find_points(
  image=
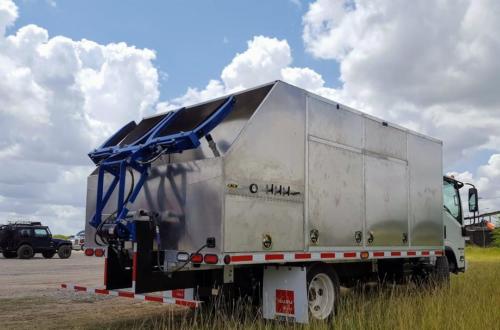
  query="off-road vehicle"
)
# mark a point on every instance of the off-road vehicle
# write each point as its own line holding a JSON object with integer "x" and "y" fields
{"x": 24, "y": 239}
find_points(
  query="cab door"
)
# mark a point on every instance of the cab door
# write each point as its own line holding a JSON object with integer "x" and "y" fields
{"x": 41, "y": 239}
{"x": 452, "y": 220}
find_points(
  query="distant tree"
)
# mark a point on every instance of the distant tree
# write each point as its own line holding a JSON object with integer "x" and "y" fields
{"x": 60, "y": 236}
{"x": 496, "y": 237}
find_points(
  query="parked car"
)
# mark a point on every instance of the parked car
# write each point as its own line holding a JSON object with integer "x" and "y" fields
{"x": 24, "y": 239}
{"x": 78, "y": 241}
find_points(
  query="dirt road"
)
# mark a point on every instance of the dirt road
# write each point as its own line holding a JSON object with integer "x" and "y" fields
{"x": 30, "y": 295}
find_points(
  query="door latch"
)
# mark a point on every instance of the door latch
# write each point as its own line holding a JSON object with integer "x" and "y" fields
{"x": 405, "y": 238}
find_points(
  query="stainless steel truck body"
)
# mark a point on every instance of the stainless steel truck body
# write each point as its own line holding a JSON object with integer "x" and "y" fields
{"x": 293, "y": 178}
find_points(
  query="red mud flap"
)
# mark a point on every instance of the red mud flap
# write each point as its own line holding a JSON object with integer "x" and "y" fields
{"x": 130, "y": 294}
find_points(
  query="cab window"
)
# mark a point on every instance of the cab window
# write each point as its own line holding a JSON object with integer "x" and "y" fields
{"x": 451, "y": 200}
{"x": 41, "y": 233}
{"x": 25, "y": 232}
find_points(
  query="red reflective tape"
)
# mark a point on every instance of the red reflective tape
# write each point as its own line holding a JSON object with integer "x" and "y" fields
{"x": 411, "y": 253}
{"x": 179, "y": 293}
{"x": 395, "y": 253}
{"x": 438, "y": 253}
{"x": 242, "y": 258}
{"x": 153, "y": 298}
{"x": 64, "y": 286}
{"x": 191, "y": 304}
{"x": 327, "y": 255}
{"x": 425, "y": 253}
{"x": 126, "y": 294}
{"x": 302, "y": 256}
{"x": 279, "y": 256}
{"x": 101, "y": 291}
{"x": 134, "y": 266}
{"x": 79, "y": 288}
{"x": 349, "y": 254}
{"x": 378, "y": 254}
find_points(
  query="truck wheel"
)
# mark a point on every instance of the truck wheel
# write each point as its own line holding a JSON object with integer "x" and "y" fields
{"x": 323, "y": 291}
{"x": 48, "y": 254}
{"x": 9, "y": 254}
{"x": 441, "y": 272}
{"x": 25, "y": 252}
{"x": 64, "y": 251}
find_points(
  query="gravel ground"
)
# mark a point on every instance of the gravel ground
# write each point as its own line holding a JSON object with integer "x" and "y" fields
{"x": 31, "y": 297}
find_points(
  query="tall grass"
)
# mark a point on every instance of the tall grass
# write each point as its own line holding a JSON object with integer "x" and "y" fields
{"x": 471, "y": 302}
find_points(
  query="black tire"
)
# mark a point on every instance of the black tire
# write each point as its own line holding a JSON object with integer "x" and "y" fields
{"x": 322, "y": 272}
{"x": 25, "y": 252}
{"x": 48, "y": 254}
{"x": 441, "y": 272}
{"x": 64, "y": 251}
{"x": 9, "y": 254}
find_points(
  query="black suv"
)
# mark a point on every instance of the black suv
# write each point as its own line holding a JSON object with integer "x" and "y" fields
{"x": 24, "y": 239}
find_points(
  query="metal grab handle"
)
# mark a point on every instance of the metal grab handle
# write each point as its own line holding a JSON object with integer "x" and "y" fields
{"x": 358, "y": 236}
{"x": 370, "y": 238}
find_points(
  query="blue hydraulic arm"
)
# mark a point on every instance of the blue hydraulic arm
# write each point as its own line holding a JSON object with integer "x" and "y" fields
{"x": 116, "y": 159}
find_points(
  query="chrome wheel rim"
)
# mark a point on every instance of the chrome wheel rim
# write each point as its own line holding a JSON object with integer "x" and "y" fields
{"x": 321, "y": 296}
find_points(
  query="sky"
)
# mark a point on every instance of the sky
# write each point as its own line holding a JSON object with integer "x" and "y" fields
{"x": 72, "y": 72}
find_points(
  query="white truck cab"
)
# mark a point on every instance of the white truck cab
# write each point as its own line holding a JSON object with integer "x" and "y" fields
{"x": 454, "y": 233}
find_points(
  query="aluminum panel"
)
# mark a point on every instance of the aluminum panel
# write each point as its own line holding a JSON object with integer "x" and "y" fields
{"x": 248, "y": 219}
{"x": 337, "y": 125}
{"x": 386, "y": 183}
{"x": 271, "y": 146}
{"x": 426, "y": 199}
{"x": 336, "y": 194}
{"x": 188, "y": 198}
{"x": 385, "y": 140}
{"x": 226, "y": 132}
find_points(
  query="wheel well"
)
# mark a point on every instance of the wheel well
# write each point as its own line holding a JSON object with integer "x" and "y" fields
{"x": 452, "y": 259}
{"x": 23, "y": 243}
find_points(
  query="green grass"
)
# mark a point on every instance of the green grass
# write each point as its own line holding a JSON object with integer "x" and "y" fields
{"x": 471, "y": 302}
{"x": 60, "y": 236}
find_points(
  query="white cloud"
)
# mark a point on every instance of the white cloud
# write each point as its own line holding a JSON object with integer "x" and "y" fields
{"x": 487, "y": 181}
{"x": 59, "y": 98}
{"x": 260, "y": 63}
{"x": 265, "y": 59}
{"x": 8, "y": 15}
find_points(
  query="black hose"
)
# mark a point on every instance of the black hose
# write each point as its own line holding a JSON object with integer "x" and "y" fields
{"x": 189, "y": 260}
{"x": 149, "y": 161}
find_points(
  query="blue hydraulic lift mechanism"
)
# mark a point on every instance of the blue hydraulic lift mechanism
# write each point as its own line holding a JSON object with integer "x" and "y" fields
{"x": 138, "y": 155}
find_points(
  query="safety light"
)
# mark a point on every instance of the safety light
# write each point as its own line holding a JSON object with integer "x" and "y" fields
{"x": 182, "y": 256}
{"x": 89, "y": 252}
{"x": 196, "y": 258}
{"x": 98, "y": 252}
{"x": 211, "y": 259}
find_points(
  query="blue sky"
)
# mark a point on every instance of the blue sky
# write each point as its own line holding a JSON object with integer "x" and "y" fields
{"x": 193, "y": 40}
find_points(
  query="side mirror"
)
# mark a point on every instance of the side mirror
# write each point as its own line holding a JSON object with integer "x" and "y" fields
{"x": 473, "y": 206}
